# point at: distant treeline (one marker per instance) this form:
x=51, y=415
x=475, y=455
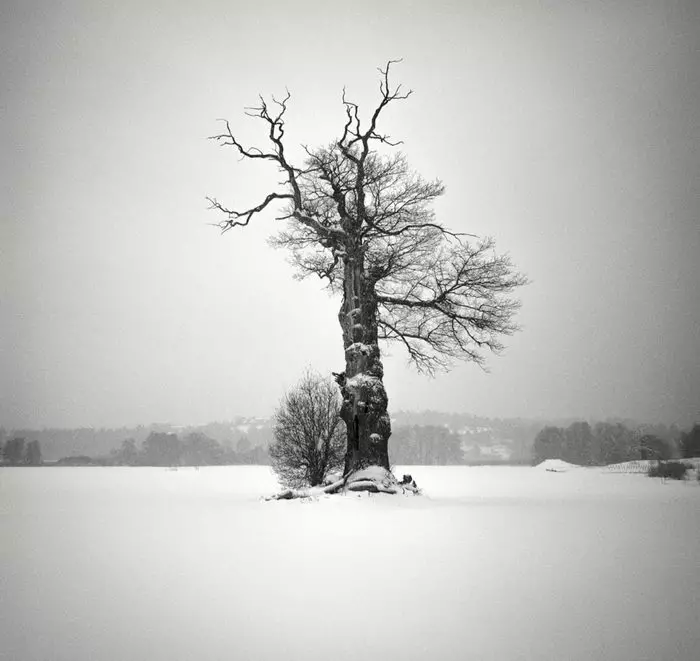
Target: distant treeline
x=433, y=445
x=17, y=452
x=483, y=440
x=410, y=445
x=57, y=443
x=168, y=449
x=610, y=443
x=512, y=435
x=426, y=438
x=426, y=445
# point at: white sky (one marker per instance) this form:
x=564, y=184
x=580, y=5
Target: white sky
x=569, y=131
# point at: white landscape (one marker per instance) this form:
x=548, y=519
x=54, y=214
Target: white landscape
x=490, y=563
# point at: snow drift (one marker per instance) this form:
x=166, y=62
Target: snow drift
x=556, y=466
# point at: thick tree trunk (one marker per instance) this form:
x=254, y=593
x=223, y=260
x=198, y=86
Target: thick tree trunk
x=364, y=408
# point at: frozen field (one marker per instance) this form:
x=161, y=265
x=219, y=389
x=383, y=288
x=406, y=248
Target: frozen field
x=492, y=563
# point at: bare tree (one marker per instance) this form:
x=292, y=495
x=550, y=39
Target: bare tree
x=362, y=220
x=309, y=434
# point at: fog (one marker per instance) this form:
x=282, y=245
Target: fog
x=567, y=131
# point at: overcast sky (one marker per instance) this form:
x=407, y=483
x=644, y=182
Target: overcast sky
x=568, y=131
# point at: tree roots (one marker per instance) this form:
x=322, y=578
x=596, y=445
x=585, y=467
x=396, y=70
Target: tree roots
x=372, y=479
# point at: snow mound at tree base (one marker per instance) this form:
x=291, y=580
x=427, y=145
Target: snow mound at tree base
x=556, y=466
x=373, y=479
x=379, y=480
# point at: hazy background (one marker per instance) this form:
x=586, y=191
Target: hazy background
x=569, y=131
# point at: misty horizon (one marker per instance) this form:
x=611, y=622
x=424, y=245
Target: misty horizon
x=400, y=416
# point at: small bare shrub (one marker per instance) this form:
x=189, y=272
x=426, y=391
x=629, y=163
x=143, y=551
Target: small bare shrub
x=672, y=470
x=309, y=434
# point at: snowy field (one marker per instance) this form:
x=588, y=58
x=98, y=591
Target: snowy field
x=492, y=563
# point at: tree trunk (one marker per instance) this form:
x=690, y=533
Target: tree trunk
x=364, y=408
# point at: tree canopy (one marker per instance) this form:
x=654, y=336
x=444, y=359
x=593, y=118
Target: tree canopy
x=443, y=295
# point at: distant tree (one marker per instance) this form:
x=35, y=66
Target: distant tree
x=200, y=450
x=427, y=445
x=127, y=454
x=362, y=220
x=254, y=456
x=690, y=442
x=33, y=454
x=243, y=445
x=578, y=444
x=309, y=433
x=14, y=451
x=606, y=443
x=652, y=447
x=670, y=435
x=446, y=447
x=162, y=449
x=548, y=444
x=406, y=445
x=614, y=443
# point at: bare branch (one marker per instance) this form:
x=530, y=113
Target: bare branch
x=234, y=216
x=227, y=139
x=459, y=306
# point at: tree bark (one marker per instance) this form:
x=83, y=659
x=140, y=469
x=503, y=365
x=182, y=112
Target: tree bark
x=364, y=408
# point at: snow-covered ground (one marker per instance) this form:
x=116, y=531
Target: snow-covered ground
x=107, y=564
